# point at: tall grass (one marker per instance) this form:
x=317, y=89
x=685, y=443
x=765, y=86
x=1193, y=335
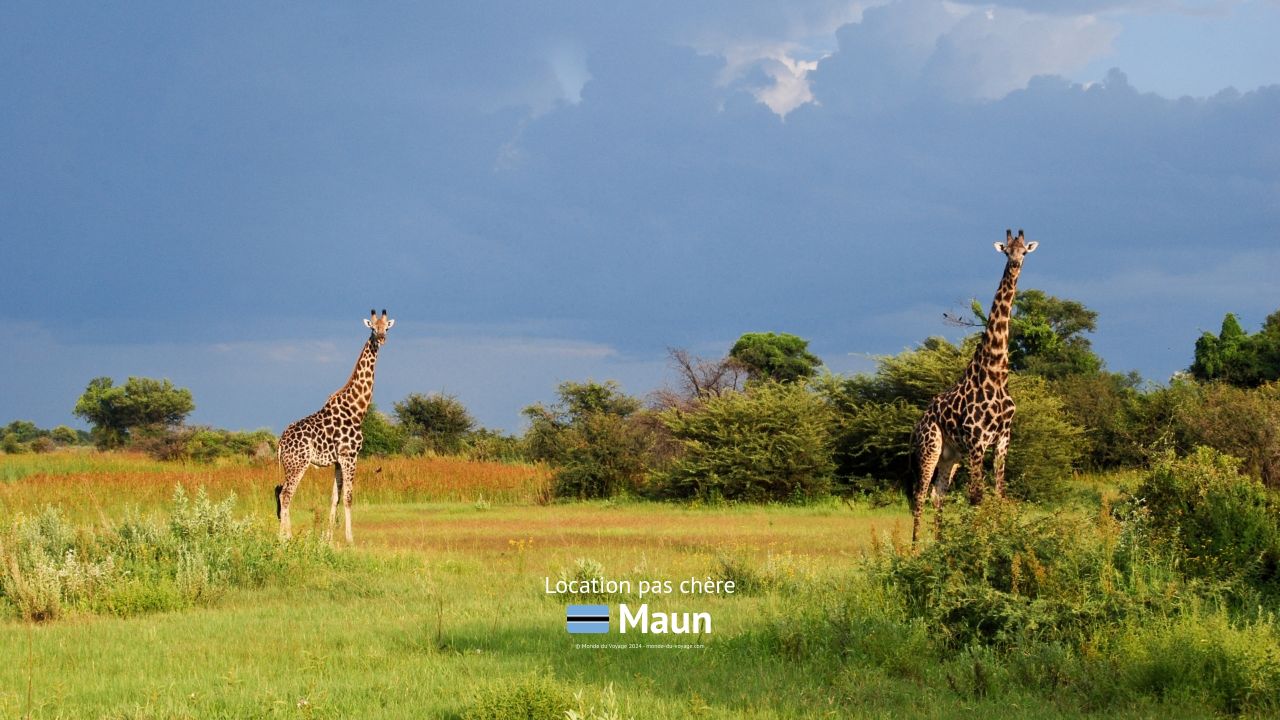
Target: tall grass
x=50, y=567
x=91, y=484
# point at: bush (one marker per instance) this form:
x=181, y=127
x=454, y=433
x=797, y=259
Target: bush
x=532, y=697
x=381, y=436
x=205, y=444
x=1244, y=423
x=595, y=437
x=1003, y=577
x=1221, y=524
x=772, y=442
x=440, y=420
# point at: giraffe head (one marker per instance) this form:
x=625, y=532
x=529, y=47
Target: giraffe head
x=1016, y=248
x=379, y=325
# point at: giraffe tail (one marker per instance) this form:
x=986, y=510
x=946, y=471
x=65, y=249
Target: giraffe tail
x=279, y=489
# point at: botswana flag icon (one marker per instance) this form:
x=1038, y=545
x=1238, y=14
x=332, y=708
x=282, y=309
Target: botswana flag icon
x=587, y=618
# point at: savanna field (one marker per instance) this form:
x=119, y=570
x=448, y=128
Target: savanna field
x=137, y=588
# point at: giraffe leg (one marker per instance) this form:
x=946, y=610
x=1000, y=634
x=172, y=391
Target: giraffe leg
x=977, y=481
x=284, y=496
x=1002, y=449
x=928, y=452
x=333, y=503
x=946, y=473
x=348, y=489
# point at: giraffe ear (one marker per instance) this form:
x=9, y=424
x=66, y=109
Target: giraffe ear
x=999, y=247
x=368, y=324
x=390, y=323
x=1031, y=246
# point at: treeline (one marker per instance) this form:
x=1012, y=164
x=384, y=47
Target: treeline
x=766, y=423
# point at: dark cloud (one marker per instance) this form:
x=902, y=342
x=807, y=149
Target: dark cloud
x=241, y=176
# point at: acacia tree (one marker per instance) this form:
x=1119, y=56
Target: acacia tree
x=115, y=412
x=699, y=378
x=1047, y=335
x=781, y=357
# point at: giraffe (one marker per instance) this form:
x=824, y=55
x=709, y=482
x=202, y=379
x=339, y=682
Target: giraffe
x=964, y=422
x=332, y=435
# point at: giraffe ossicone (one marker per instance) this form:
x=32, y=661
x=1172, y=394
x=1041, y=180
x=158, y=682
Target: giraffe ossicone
x=332, y=435
x=975, y=415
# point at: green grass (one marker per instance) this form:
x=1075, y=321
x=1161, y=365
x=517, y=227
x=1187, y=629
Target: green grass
x=440, y=611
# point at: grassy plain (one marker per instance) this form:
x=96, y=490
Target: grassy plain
x=444, y=601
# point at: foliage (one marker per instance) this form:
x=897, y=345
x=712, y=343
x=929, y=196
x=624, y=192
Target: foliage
x=206, y=444
x=595, y=438
x=1241, y=422
x=1221, y=524
x=1046, y=336
x=1044, y=445
x=381, y=436
x=442, y=421
x=1119, y=421
x=772, y=442
x=49, y=568
x=780, y=357
x=531, y=697
x=1237, y=357
x=21, y=436
x=116, y=411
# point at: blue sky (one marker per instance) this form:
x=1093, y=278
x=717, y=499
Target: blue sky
x=543, y=192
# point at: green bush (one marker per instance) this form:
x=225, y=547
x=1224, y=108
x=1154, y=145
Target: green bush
x=205, y=444
x=595, y=438
x=1222, y=525
x=772, y=442
x=532, y=697
x=441, y=421
x=1241, y=422
x=1004, y=577
x=381, y=436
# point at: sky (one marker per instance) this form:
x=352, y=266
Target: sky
x=541, y=192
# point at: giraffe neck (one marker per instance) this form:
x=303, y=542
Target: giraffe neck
x=992, y=356
x=357, y=394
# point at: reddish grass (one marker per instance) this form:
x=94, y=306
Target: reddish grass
x=92, y=483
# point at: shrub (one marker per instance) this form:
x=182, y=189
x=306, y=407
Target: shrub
x=205, y=444
x=1241, y=422
x=595, y=437
x=381, y=436
x=440, y=420
x=1221, y=524
x=1005, y=577
x=532, y=697
x=772, y=442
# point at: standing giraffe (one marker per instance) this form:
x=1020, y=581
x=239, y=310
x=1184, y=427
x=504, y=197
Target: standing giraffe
x=975, y=415
x=332, y=435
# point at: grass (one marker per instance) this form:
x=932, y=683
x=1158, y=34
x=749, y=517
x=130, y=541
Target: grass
x=440, y=612
x=92, y=484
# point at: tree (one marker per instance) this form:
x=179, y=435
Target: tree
x=775, y=356
x=440, y=420
x=1046, y=335
x=596, y=438
x=141, y=403
x=698, y=378
x=1236, y=357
